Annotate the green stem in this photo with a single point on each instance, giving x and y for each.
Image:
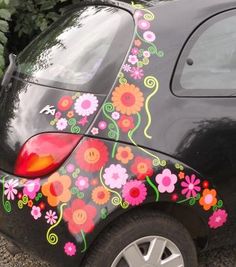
(85, 242)
(153, 187)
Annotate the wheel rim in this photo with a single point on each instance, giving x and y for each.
(150, 251)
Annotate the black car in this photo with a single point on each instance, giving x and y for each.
(118, 135)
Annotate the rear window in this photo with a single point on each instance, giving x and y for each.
(82, 51)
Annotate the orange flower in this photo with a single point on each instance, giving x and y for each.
(208, 199)
(56, 189)
(137, 42)
(70, 114)
(30, 203)
(124, 154)
(100, 195)
(127, 99)
(181, 175)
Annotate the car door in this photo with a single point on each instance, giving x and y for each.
(205, 77)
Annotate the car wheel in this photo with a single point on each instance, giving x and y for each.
(144, 239)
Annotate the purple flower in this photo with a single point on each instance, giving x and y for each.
(126, 67)
(143, 24)
(61, 124)
(149, 36)
(136, 73)
(135, 51)
(31, 188)
(133, 59)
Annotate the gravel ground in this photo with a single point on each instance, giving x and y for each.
(217, 258)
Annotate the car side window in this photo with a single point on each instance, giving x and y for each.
(207, 65)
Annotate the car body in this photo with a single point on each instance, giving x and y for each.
(143, 139)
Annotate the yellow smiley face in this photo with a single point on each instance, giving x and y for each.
(80, 216)
(92, 155)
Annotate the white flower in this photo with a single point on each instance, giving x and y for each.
(10, 189)
(86, 104)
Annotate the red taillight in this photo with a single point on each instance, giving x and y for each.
(44, 153)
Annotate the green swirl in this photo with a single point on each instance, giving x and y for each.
(151, 83)
(74, 128)
(52, 238)
(6, 204)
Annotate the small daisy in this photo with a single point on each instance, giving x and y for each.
(51, 217)
(94, 131)
(61, 124)
(86, 104)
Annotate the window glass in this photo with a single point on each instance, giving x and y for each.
(78, 50)
(211, 63)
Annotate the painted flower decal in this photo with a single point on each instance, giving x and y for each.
(36, 212)
(142, 167)
(133, 59)
(166, 181)
(70, 249)
(124, 154)
(51, 217)
(92, 155)
(127, 98)
(136, 73)
(31, 188)
(191, 186)
(62, 124)
(86, 104)
(82, 183)
(80, 217)
(149, 36)
(143, 24)
(10, 189)
(57, 189)
(100, 195)
(126, 123)
(218, 218)
(134, 192)
(65, 103)
(208, 199)
(115, 176)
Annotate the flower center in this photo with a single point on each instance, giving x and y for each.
(191, 186)
(166, 181)
(134, 192)
(115, 176)
(124, 154)
(65, 103)
(128, 99)
(126, 123)
(80, 216)
(142, 167)
(92, 155)
(208, 198)
(56, 188)
(101, 195)
(86, 104)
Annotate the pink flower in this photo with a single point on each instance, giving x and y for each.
(218, 218)
(134, 51)
(115, 115)
(10, 189)
(70, 249)
(166, 181)
(70, 168)
(138, 14)
(61, 124)
(83, 121)
(190, 186)
(51, 217)
(102, 125)
(86, 104)
(134, 192)
(133, 59)
(36, 212)
(136, 73)
(146, 54)
(31, 188)
(126, 67)
(94, 131)
(143, 24)
(58, 115)
(149, 36)
(115, 176)
(82, 183)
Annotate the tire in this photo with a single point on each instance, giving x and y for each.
(143, 225)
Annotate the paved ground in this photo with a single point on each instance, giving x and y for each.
(218, 258)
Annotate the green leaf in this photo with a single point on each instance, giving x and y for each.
(5, 14)
(2, 62)
(3, 38)
(4, 27)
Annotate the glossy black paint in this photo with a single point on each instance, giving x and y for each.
(200, 132)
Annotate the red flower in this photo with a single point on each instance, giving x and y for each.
(142, 167)
(92, 155)
(80, 217)
(126, 123)
(65, 103)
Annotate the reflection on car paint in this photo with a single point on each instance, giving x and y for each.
(102, 175)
